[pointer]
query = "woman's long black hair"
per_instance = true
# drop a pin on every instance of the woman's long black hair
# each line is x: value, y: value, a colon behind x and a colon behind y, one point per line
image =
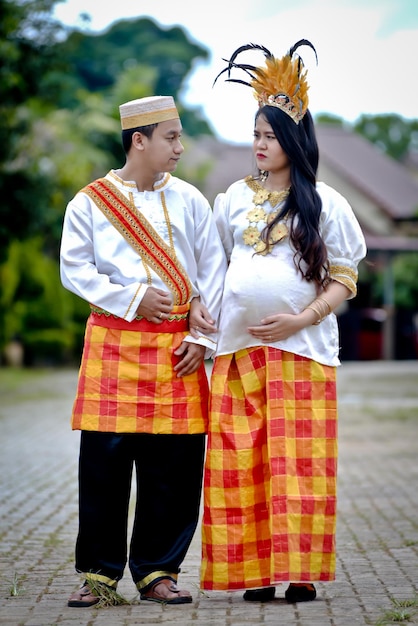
x: 303, y: 204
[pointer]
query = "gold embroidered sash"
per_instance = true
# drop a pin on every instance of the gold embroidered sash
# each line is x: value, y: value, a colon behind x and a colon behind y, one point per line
x: 140, y: 234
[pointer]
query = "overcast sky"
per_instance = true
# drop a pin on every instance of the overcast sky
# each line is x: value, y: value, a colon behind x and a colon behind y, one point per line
x: 367, y: 51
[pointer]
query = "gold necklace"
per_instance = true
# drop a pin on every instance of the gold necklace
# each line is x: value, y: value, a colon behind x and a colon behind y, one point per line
x: 252, y: 235
x: 261, y: 194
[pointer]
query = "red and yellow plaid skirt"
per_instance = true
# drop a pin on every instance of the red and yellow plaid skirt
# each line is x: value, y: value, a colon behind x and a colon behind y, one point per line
x: 127, y: 382
x: 271, y: 471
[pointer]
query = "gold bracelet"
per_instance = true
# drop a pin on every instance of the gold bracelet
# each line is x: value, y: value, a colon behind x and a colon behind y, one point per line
x: 319, y: 320
x: 318, y: 306
x: 327, y: 304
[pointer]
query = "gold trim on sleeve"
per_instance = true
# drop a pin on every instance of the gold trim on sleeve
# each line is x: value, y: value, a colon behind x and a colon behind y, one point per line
x: 345, y: 275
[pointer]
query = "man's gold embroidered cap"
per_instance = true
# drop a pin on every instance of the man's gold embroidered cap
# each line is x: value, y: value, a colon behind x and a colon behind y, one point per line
x: 144, y: 111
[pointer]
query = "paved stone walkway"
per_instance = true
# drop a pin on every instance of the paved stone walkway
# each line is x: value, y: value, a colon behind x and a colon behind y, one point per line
x: 377, y: 524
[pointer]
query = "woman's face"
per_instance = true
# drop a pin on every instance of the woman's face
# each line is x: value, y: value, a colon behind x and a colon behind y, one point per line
x: 268, y: 152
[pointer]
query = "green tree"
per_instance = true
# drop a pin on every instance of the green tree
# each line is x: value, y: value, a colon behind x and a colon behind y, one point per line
x: 47, y: 319
x: 329, y: 119
x: 394, y: 135
x: 405, y: 273
x: 135, y: 47
x: 27, y: 55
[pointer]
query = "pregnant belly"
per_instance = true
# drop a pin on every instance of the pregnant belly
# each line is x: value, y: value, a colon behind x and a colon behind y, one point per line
x: 256, y: 290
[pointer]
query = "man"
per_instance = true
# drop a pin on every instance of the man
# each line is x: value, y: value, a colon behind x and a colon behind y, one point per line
x: 140, y: 245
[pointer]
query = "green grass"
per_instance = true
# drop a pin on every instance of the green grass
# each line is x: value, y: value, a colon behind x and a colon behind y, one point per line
x: 403, y: 612
x: 16, y: 586
x: 107, y: 596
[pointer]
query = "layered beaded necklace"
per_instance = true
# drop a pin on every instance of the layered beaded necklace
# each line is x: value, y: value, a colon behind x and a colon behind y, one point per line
x: 258, y: 217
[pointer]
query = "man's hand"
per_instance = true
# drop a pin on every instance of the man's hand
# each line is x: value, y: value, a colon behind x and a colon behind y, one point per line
x: 192, y: 356
x: 155, y: 305
x: 200, y: 320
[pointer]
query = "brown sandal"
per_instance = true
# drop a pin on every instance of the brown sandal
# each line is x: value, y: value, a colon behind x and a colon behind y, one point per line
x: 84, y: 597
x: 152, y: 594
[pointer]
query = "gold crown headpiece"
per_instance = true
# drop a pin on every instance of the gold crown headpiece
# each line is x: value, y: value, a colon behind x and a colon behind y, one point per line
x: 281, y: 83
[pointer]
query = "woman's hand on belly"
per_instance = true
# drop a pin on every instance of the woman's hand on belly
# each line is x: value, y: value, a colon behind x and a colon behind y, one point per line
x: 277, y: 327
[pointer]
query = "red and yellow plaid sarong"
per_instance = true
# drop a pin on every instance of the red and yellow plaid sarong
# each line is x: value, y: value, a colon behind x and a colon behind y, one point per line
x: 271, y: 470
x: 127, y: 383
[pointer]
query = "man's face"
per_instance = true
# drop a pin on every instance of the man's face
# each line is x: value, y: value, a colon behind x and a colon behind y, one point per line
x: 164, y: 148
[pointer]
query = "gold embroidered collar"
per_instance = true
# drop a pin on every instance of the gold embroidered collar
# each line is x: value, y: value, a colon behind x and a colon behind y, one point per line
x: 258, y: 217
x: 261, y: 195
x: 159, y: 184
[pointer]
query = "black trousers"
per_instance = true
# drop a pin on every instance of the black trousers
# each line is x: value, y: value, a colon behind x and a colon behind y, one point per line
x: 169, y: 471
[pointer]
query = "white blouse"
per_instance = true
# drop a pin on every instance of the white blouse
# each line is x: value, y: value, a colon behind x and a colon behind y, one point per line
x: 260, y: 285
x: 99, y: 265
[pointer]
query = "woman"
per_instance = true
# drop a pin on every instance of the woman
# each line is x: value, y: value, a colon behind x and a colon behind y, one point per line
x: 293, y: 246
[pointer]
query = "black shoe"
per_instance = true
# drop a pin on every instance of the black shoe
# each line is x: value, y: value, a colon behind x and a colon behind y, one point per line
x: 266, y: 594
x: 300, y: 593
